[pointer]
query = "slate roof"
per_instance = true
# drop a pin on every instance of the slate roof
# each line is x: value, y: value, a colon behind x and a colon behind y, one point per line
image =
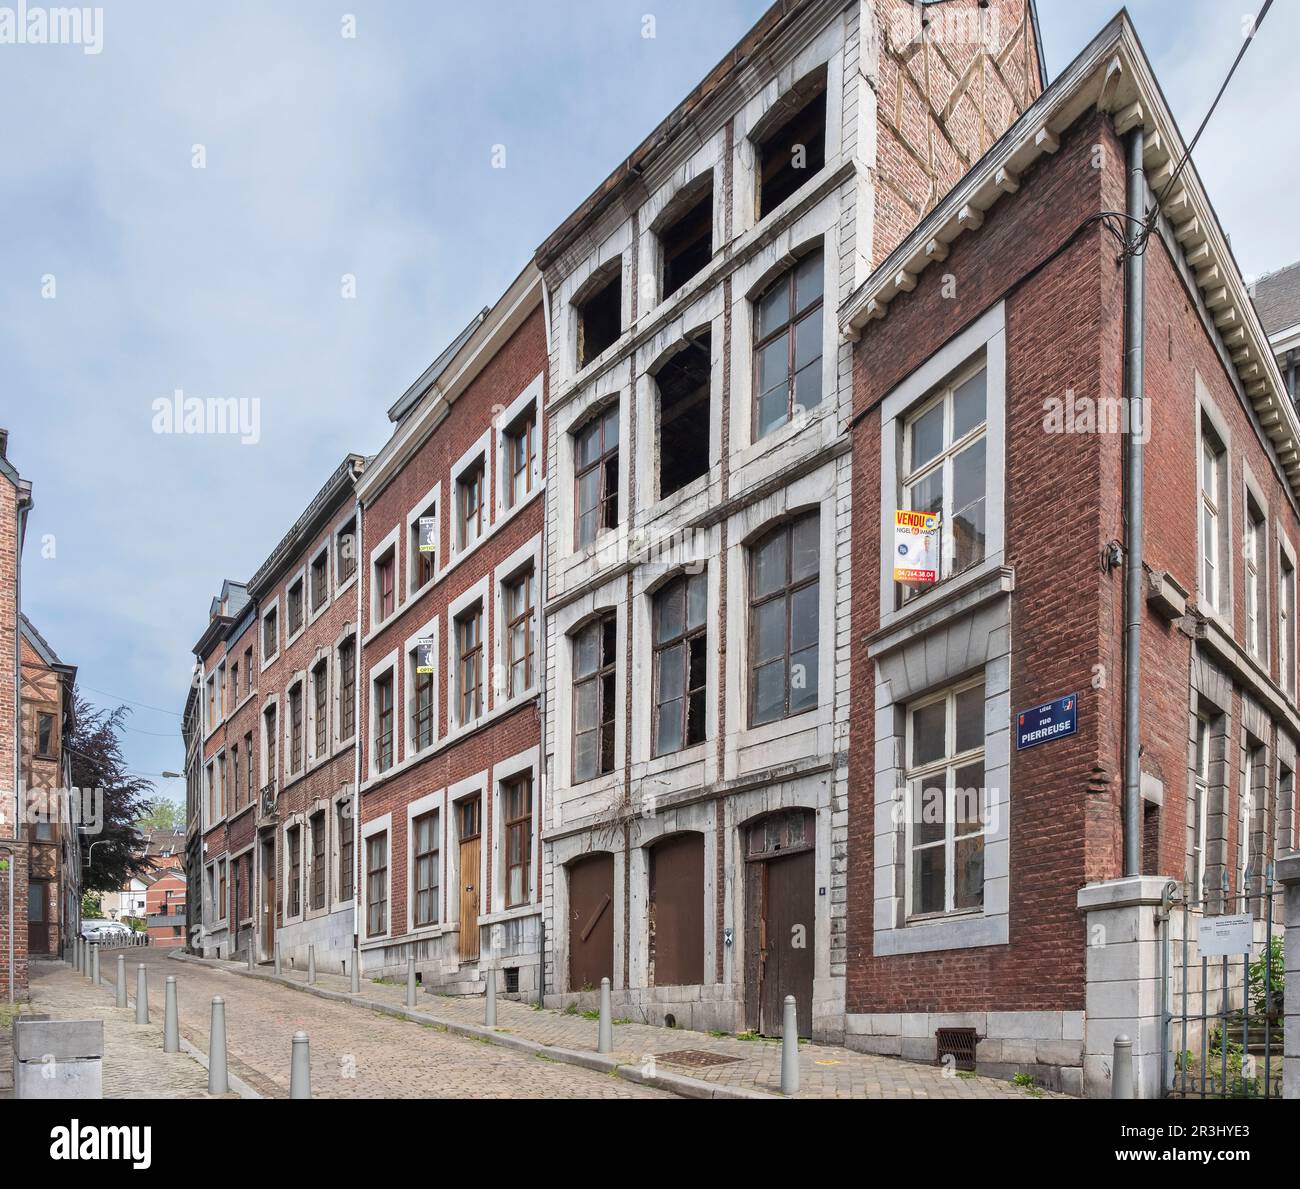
x: 1277, y: 298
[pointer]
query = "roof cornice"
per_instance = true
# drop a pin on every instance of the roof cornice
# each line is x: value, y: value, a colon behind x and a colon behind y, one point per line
x: 1111, y: 75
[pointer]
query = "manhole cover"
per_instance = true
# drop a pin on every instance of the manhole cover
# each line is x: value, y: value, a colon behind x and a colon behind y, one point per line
x: 695, y: 1058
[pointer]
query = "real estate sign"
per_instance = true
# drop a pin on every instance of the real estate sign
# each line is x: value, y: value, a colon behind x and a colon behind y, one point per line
x: 916, y: 547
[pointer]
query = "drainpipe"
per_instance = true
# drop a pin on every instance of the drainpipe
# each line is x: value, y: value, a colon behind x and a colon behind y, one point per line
x: 357, y: 866
x: 1134, y: 391
x: 1290, y: 375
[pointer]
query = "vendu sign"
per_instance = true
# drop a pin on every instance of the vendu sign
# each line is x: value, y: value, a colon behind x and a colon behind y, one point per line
x: 916, y: 548
x: 1051, y: 720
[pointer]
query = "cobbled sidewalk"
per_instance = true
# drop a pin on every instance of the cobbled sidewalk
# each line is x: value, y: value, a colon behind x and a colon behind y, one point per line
x: 135, y: 1065
x: 669, y: 1058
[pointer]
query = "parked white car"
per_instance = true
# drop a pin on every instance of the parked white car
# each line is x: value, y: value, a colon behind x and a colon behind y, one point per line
x: 104, y: 932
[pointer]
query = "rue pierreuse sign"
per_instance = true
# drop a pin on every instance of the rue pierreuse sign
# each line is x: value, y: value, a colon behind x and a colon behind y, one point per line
x: 1051, y: 720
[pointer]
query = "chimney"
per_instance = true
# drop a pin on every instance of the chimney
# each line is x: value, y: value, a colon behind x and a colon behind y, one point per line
x: 4, y: 442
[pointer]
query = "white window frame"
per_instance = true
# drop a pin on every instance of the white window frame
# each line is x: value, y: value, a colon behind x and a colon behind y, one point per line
x: 300, y: 575
x: 431, y: 499
x: 1201, y: 809
x: 949, y: 765
x: 532, y: 395
x: 479, y: 452
x: 1254, y: 551
x: 272, y: 608
x: 393, y: 540
x: 378, y: 825
x: 428, y: 632
x: 326, y: 549
x: 1286, y: 614
x: 377, y: 671
x: 527, y: 555
x: 433, y: 803
x: 478, y: 593
x: 1212, y: 430
x: 986, y: 336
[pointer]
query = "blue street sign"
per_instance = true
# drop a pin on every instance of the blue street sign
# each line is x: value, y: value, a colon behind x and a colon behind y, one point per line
x: 1049, y: 721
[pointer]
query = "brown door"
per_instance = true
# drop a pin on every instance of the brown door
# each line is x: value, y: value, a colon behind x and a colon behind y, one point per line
x: 677, y: 911
x: 38, y: 917
x: 268, y: 899
x: 591, y: 922
x: 779, y: 940
x: 468, y: 815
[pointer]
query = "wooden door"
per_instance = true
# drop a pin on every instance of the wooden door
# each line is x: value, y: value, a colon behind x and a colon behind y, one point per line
x: 591, y: 922
x: 468, y: 815
x: 38, y: 917
x: 785, y: 932
x: 676, y: 942
x: 268, y: 900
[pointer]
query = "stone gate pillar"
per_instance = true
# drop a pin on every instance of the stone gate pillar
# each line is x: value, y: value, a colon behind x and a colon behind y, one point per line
x: 1288, y: 874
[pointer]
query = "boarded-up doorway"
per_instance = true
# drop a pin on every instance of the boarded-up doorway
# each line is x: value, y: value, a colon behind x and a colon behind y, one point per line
x: 780, y: 927
x: 591, y: 922
x: 676, y: 911
x: 38, y: 917
x: 267, y: 930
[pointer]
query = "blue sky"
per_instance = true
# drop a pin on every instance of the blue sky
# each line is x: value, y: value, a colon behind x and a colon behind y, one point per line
x: 370, y: 157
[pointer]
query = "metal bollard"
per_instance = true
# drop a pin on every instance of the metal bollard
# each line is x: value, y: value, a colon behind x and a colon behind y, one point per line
x: 249, y: 950
x: 311, y: 963
x: 790, y: 1048
x: 218, y: 1081
x: 81, y: 956
x: 121, y: 980
x: 94, y: 966
x: 490, y: 1005
x: 141, y: 995
x: 300, y: 1067
x: 277, y: 957
x: 171, y: 1018
x: 356, y: 972
x: 410, y: 982
x: 605, y: 1030
x: 1121, y: 1071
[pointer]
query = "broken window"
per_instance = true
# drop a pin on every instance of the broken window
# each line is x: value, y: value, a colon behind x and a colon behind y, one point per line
x: 600, y: 318
x: 687, y: 237
x: 680, y: 662
x: 596, y: 477
x: 791, y: 143
x: 594, y: 668
x: 684, y: 415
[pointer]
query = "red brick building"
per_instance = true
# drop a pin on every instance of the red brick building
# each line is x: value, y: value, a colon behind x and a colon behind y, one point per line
x: 15, y: 504
x: 989, y: 877
x: 291, y: 832
x: 164, y: 900
x: 451, y: 662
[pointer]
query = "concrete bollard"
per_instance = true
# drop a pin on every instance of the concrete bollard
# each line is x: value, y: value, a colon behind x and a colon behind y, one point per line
x: 1121, y: 1070
x: 790, y: 1048
x: 171, y: 1018
x: 300, y: 1067
x: 249, y: 950
x: 311, y: 964
x: 490, y: 1003
x: 141, y: 995
x: 356, y: 972
x: 218, y: 1081
x: 605, y: 1029
x: 410, y: 982
x: 277, y: 958
x: 121, y: 980
x: 81, y: 955
x: 94, y: 966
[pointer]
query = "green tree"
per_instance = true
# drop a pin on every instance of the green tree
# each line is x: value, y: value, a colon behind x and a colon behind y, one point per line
x: 161, y: 814
x: 92, y: 907
x: 113, y: 847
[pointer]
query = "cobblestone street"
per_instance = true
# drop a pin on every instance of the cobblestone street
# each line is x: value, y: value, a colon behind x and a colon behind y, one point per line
x: 354, y: 1053
x: 728, y: 1063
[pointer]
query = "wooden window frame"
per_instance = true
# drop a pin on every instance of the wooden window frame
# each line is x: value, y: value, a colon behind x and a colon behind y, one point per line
x: 689, y: 637
x: 320, y: 691
x: 472, y: 481
x: 606, y: 507
x: 376, y: 878
x: 789, y: 329
x: 432, y: 857
x: 604, y: 669
x: 386, y: 584
x: 518, y: 622
x: 347, y: 689
x: 385, y: 724
x: 345, y: 558
x: 293, y: 844
x: 518, y: 830
x: 343, y: 818
x: 319, y: 858
x: 297, y: 742
x: 469, y: 664
x: 521, y: 457
x: 787, y: 591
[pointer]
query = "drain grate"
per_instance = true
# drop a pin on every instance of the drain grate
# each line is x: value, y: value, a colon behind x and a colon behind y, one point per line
x: 695, y: 1058
x: 958, y: 1043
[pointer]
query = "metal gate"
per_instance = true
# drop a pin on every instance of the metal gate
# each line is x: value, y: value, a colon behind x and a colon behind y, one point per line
x: 1223, y: 1015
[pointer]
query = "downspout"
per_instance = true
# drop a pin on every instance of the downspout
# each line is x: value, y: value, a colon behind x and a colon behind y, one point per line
x: 1134, y: 392
x: 1290, y: 375
x: 24, y: 507
x: 543, y: 684
x: 356, y: 754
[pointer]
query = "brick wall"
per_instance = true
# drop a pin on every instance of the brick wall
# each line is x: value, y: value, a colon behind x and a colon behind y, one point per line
x: 16, y: 878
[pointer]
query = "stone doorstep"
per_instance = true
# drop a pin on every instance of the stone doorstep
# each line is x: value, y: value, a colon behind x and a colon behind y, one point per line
x: 679, y: 1084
